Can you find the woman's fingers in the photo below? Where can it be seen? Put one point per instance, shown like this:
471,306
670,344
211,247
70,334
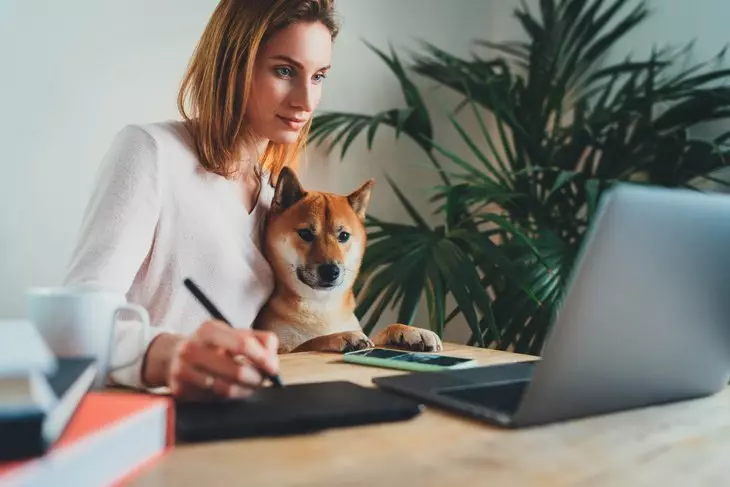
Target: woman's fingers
222,361
194,381
270,342
187,381
218,334
259,347
199,371
254,352
219,363
268,339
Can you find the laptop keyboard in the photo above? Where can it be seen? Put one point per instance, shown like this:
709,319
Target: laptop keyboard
503,397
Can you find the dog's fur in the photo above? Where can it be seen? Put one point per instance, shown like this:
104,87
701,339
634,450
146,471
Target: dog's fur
312,307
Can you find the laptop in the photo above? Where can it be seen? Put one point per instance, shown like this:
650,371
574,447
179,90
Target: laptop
645,320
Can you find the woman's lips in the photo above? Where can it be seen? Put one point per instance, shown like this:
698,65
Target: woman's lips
294,123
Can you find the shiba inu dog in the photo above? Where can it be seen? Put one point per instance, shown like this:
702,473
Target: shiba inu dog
315,242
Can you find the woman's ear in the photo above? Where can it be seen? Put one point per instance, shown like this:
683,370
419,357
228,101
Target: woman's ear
360,198
288,189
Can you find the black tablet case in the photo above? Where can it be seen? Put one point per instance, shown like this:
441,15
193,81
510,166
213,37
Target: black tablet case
293,409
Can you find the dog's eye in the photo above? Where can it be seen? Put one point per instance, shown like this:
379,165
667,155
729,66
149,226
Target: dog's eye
306,234
343,237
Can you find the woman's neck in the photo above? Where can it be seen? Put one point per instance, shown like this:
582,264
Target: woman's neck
249,172
253,149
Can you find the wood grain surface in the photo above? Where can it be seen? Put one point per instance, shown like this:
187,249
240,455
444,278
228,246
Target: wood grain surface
683,444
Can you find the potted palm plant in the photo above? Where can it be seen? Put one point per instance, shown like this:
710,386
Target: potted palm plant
558,125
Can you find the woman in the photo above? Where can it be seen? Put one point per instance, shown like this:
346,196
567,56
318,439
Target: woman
186,199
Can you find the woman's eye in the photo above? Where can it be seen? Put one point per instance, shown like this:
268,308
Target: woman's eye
343,237
319,77
306,234
283,71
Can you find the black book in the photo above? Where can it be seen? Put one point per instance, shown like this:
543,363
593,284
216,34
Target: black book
30,431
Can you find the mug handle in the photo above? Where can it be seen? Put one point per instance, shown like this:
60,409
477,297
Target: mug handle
146,328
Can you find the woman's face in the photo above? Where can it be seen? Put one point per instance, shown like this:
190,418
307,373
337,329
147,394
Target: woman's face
287,81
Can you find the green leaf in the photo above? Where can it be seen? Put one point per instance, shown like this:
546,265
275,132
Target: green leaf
374,124
520,309
415,120
482,247
401,117
436,299
383,287
417,218
592,186
464,164
413,288
354,131
488,137
478,153
505,224
387,252
519,50
563,178
385,297
454,274
338,125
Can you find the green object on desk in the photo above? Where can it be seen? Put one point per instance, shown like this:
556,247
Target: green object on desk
406,360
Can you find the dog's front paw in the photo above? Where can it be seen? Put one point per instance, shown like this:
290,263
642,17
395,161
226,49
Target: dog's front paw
351,341
409,338
342,342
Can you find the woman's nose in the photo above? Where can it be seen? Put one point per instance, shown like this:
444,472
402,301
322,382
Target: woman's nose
303,97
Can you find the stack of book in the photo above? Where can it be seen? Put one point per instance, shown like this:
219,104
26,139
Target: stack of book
54,430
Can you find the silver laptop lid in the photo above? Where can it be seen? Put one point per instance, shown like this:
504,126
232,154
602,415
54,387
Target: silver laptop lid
646,318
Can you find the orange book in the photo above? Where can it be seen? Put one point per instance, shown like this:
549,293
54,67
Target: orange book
110,437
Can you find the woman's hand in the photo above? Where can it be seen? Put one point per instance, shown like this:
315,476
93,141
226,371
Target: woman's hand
216,361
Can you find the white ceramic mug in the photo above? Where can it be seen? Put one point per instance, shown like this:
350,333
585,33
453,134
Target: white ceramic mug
81,322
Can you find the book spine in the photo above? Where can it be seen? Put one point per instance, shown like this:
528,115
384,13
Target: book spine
22,437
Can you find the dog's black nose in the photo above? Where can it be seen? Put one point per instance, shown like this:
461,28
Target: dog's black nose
328,272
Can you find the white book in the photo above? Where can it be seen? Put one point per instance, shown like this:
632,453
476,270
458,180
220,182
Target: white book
26,362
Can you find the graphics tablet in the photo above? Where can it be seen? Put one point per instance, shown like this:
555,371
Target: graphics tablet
293,409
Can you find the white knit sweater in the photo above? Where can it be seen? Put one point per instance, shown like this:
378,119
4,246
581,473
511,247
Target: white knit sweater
156,217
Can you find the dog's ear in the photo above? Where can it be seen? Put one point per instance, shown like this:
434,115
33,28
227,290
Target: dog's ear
288,189
360,198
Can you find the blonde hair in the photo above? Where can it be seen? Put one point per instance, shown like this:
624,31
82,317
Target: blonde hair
217,83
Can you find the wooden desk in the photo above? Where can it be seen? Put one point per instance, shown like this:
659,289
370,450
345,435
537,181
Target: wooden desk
679,444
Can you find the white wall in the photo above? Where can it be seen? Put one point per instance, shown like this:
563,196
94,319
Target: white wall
74,72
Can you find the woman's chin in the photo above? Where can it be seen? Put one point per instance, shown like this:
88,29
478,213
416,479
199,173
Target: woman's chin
285,136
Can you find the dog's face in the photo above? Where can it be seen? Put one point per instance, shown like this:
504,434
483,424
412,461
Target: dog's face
314,240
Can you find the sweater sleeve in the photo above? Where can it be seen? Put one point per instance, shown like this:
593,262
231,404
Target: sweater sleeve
116,235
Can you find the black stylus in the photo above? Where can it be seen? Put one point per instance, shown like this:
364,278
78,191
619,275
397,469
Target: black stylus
213,310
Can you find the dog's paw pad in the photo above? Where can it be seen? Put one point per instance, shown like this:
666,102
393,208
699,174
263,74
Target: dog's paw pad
411,338
352,341
353,345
